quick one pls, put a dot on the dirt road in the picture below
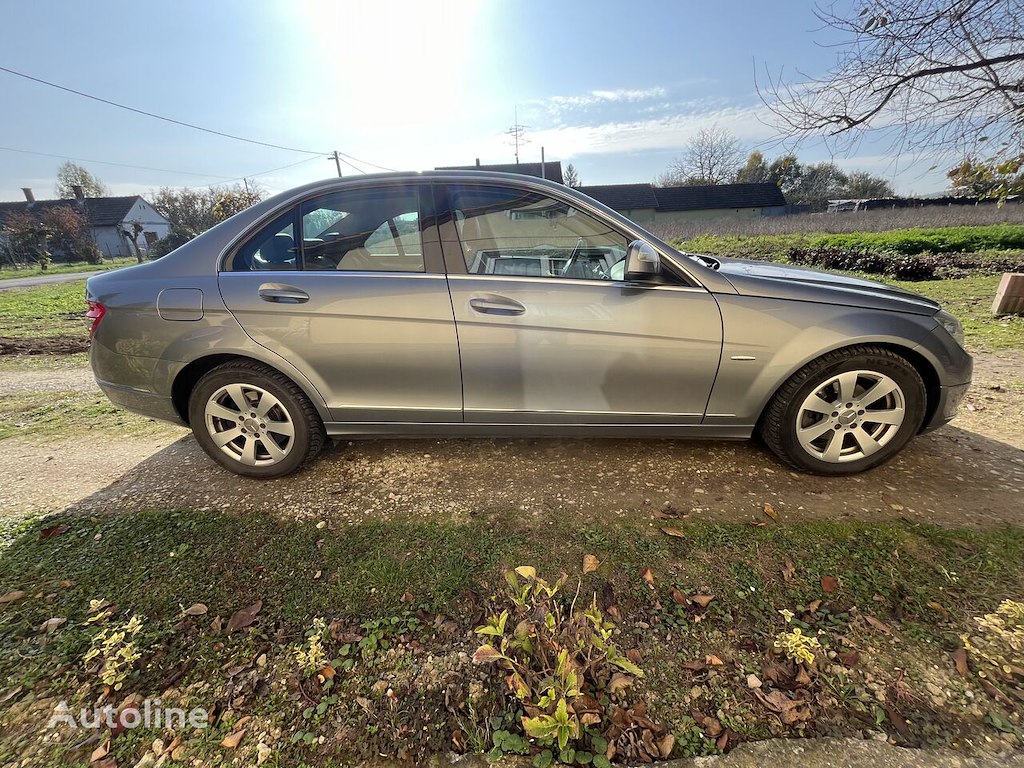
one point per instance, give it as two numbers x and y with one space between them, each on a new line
968 473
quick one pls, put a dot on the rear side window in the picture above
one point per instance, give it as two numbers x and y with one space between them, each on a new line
365 230
272 248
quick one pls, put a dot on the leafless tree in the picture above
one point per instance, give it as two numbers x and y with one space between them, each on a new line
943 76
711 157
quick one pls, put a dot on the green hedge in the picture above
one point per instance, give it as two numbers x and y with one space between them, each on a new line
910 242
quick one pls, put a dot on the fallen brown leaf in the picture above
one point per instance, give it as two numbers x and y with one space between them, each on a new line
723 740
665 745
328 672
880 626
849 658
100 752
757 523
196 609
788 570
407 597
828 584
614 613
897 720
703 600
769 511
54 530
935 605
678 596
633 654
619 682
231 741
713 661
648 577
51 624
486 654
673 532
789 710
960 662
590 563
11 596
813 606
244 617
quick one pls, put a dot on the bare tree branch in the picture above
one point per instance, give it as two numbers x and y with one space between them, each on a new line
944 76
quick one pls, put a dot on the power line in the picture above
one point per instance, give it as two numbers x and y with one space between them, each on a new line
189 125
119 165
226 179
158 117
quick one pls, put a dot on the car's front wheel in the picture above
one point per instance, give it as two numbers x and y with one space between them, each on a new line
254 421
846 412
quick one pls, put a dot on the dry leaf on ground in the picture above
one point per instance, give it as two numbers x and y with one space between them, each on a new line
244 618
769 510
590 563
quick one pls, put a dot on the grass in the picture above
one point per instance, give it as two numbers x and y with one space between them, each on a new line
10 273
861 221
992 238
432 582
970 300
45 414
44 311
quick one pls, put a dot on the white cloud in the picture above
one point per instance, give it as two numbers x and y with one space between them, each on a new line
603 97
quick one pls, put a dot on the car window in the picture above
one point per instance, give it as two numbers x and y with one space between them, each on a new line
272 248
375 230
506 231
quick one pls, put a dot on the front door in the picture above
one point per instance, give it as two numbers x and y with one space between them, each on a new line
548 336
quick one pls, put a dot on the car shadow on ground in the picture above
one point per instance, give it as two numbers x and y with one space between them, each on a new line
950 477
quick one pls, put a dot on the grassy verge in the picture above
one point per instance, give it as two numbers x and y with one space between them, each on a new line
9 273
913 241
970 300
44 311
699 608
46 414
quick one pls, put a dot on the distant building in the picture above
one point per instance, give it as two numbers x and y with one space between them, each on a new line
888 203
648 205
110 218
550 170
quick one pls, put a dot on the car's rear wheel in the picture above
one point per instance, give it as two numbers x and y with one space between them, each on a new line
845 412
254 421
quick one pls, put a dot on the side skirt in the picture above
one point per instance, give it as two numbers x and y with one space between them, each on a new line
441 429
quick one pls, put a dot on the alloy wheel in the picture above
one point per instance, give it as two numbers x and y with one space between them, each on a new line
850 416
249 424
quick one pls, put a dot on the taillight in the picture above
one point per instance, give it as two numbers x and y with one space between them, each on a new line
95 313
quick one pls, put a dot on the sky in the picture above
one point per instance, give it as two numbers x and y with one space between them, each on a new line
615 88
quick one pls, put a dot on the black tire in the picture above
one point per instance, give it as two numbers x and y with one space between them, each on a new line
287 409
792 410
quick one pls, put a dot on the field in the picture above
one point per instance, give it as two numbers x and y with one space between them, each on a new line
863 221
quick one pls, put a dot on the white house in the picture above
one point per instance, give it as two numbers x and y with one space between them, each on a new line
111 219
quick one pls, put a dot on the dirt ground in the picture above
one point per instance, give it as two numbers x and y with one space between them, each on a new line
970 472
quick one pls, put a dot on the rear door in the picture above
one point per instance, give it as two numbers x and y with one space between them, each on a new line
349 286
548 336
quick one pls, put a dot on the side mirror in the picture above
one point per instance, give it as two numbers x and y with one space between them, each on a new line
642 262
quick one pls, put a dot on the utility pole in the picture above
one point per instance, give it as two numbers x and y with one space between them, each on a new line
516 132
337 162
245 181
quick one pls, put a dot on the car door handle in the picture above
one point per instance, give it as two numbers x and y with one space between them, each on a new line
496 305
283 294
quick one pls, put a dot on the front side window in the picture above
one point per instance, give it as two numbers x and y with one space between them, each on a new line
375 230
505 231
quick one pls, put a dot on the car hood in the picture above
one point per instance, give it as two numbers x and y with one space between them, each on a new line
782 281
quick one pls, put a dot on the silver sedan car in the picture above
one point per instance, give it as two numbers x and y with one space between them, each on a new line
486 304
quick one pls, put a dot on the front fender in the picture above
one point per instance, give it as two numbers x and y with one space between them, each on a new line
768 340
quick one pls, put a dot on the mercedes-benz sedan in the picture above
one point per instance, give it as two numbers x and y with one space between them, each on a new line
484 304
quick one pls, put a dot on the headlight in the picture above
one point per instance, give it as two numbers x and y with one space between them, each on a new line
952 326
